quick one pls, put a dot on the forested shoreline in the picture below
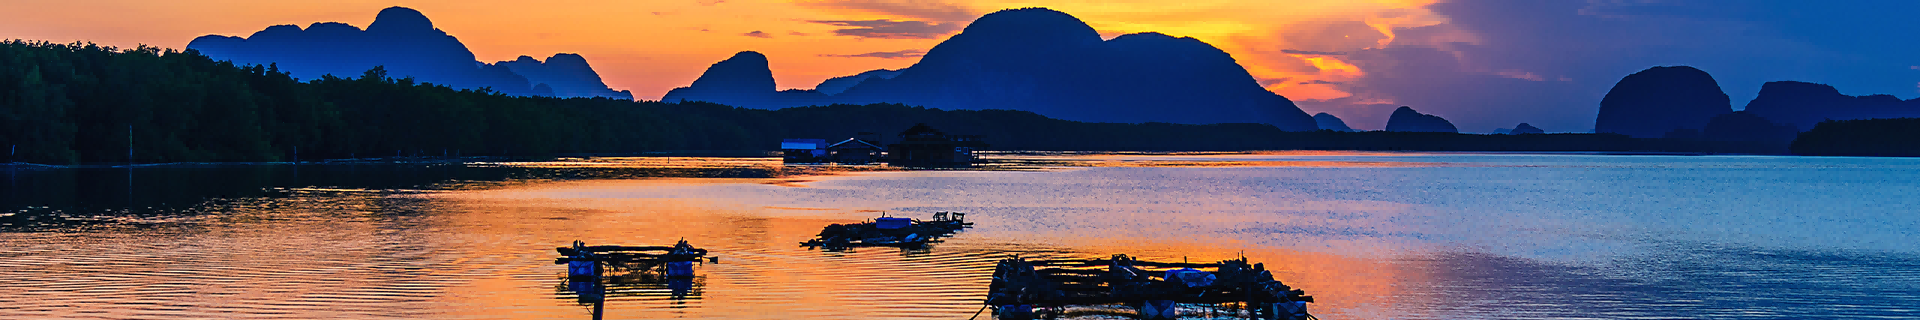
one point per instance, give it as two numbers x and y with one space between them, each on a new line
1899 137
83 103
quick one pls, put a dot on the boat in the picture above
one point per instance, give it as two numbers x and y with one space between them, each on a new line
888 231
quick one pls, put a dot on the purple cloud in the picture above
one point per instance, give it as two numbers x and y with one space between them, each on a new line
902 54
890 29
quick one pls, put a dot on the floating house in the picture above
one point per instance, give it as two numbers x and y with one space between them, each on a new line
803 150
853 151
924 146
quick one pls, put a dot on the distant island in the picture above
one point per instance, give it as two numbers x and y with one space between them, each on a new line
406 43
275 96
1038 60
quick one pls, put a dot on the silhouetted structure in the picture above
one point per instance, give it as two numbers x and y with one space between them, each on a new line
803 150
923 146
853 151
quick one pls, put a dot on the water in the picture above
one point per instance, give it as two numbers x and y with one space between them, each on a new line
1372 236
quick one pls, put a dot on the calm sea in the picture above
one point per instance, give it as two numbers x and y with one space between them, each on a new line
1371 236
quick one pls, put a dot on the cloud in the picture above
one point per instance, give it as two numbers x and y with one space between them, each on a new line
1522 75
797 34
890 29
711 2
1495 63
758 34
1319 53
902 54
929 10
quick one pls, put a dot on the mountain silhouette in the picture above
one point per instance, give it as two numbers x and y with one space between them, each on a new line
402 40
1047 62
1329 122
1803 105
841 84
744 80
1748 126
565 75
1661 100
1405 119
1525 128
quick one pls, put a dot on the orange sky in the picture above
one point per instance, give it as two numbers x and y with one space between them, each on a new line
652 46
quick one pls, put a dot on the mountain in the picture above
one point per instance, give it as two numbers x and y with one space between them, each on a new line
1329 122
1750 127
1803 105
1405 119
841 84
1525 128
1051 63
1654 102
567 75
744 80
402 40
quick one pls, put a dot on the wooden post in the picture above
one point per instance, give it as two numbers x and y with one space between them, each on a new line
129 145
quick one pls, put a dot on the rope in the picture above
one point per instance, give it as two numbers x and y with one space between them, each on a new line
976 314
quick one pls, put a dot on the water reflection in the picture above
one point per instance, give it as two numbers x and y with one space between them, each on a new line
596 293
1552 237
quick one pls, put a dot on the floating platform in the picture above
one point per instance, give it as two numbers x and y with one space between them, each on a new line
890 232
586 262
1025 289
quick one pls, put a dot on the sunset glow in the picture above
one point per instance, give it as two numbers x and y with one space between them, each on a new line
653 46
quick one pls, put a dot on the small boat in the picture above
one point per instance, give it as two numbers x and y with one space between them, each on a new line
890 232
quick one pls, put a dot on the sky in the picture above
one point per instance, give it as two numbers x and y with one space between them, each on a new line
1483 64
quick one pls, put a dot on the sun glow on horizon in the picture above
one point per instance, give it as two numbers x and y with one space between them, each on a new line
655 46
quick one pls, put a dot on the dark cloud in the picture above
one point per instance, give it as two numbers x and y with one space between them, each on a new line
1322 53
797 33
758 34
711 2
890 29
902 54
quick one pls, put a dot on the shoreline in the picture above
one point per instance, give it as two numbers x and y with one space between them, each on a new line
995 155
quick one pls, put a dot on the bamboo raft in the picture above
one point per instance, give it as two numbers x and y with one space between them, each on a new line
586 262
1025 289
890 232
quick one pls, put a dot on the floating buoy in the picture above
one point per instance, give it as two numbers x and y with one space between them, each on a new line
1290 310
680 269
1014 312
582 269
